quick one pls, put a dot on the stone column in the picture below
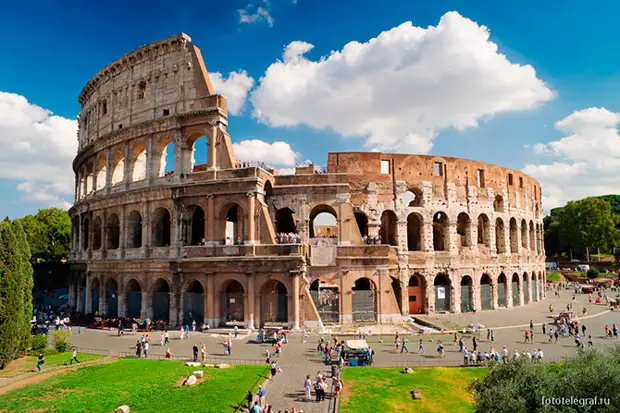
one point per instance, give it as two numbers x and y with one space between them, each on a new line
77 186
72 292
122 303
492 239
296 308
427 237
210 309
173 310
150 160
127 166
455 294
108 169
452 239
78 306
211 230
521 287
249 304
475 286
529 288
507 238
251 219
103 299
95 165
144 305
89 298
508 292
212 145
494 293
429 295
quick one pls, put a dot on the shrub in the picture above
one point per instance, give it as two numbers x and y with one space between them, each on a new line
592 273
60 339
39 342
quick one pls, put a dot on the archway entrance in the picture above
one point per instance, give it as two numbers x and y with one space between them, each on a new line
134 299
323 222
286 221
161 301
326 299
416 294
485 292
414 232
234 226
83 295
112 298
388 230
362 223
534 287
193 303
526 296
94 296
515 289
232 302
501 290
467 294
364 306
274 302
442 293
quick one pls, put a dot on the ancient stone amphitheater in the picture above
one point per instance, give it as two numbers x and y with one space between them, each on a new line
160 234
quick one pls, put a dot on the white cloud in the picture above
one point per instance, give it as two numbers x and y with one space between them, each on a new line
272 154
401 88
588 158
235 88
261 14
37 150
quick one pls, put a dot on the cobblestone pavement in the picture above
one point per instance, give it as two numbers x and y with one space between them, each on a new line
299 358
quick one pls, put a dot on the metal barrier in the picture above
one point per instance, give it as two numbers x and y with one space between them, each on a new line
208 360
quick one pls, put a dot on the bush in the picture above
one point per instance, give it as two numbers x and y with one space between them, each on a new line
592 273
39 342
60 339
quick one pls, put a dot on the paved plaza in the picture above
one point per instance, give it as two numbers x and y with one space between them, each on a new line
300 358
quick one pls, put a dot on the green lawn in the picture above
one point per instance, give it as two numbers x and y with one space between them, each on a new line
388 390
144 385
28 364
554 276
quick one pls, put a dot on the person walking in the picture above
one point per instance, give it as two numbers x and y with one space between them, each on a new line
527 336
249 398
404 346
274 369
261 395
146 349
307 385
544 328
556 335
203 351
195 352
421 347
166 337
162 339
74 356
492 336
138 349
40 361
236 330
475 343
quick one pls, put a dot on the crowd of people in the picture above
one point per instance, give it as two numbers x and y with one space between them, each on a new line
372 239
288 238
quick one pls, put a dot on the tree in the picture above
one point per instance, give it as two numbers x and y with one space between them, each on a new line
48 233
593 273
15 291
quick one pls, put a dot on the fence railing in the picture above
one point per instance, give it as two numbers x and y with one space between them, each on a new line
207 360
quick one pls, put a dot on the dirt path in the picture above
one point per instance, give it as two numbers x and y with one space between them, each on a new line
30 378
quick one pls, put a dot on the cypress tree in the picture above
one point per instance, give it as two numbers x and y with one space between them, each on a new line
22 248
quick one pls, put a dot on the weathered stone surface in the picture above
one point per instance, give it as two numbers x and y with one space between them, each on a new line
191 380
198 373
208 365
222 366
415 393
408 370
122 409
192 364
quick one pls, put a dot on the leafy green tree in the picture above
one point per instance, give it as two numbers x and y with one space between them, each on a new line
614 201
593 273
48 233
551 225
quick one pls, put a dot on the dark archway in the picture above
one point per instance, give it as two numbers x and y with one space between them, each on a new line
97 233
323 222
443 288
484 232
500 236
112 298
193 231
161 300
514 236
161 228
467 294
134 230
326 299
94 296
114 232
232 305
134 299
388 230
463 229
516 288
362 223
526 285
498 203
364 306
193 303
414 232
534 287
285 221
398 293
416 291
85 234
502 290
274 302
524 234
441 239
485 292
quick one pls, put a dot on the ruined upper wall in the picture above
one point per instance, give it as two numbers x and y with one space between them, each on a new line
164 78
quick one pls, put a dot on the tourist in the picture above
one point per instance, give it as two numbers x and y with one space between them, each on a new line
195 352
261 396
475 343
203 351
229 344
590 344
556 336
226 351
236 330
74 356
256 408
465 356
274 369
166 337
181 333
339 386
461 344
492 335
440 349
138 349
249 397
193 325
267 357
162 339
186 331
168 354
615 330
583 329
527 336
307 385
544 328
397 342
318 389
40 361
146 349
404 346
488 334
550 335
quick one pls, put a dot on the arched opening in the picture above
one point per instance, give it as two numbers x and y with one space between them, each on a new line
398 293
82 308
234 225
193 303
524 235
285 221
414 232
467 294
526 285
498 204
514 236
193 230
463 229
413 198
362 223
485 292
516 288
134 230
323 222
97 233
532 237
500 236
326 299
138 165
364 300
416 290
113 233
85 234
101 173
388 229
161 227
484 231
134 299
440 232
502 290
161 300
534 287
442 292
112 298
232 305
94 296
166 157
89 179
274 302
82 180
118 168
200 154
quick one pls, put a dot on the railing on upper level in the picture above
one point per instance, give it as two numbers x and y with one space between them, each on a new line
262 250
311 179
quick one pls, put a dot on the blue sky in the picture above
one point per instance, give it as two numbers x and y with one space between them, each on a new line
558 124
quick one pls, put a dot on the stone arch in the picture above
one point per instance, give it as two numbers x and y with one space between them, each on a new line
138 162
193 229
101 172
484 230
467 294
193 302
524 235
500 236
486 297
416 293
362 223
112 297
514 236
534 287
364 301
516 289
389 228
273 302
97 233
498 203
526 286
81 181
232 216
441 239
134 229
443 290
162 225
532 237
85 233
463 229
133 298
90 177
413 197
113 232
502 291
323 222
199 143
161 300
164 157
415 227
326 298
95 286
285 221
118 168
232 302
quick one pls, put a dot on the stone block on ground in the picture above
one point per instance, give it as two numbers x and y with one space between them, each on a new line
408 370
416 395
192 364
122 409
191 380
222 366
198 373
208 365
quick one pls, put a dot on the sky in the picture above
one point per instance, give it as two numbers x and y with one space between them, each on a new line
530 85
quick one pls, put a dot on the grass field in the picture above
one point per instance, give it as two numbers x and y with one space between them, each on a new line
29 364
144 385
388 390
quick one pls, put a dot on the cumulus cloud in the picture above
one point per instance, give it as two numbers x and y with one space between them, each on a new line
252 14
586 161
37 151
235 88
273 154
401 88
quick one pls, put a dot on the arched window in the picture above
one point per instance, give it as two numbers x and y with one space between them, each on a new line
233 219
323 222
165 157
388 230
362 223
484 236
134 230
97 233
138 165
498 204
114 232
463 229
118 168
524 235
200 154
514 236
500 236
193 225
413 197
102 170
440 232
161 228
85 234
414 232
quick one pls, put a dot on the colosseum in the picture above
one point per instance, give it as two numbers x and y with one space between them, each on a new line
374 237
